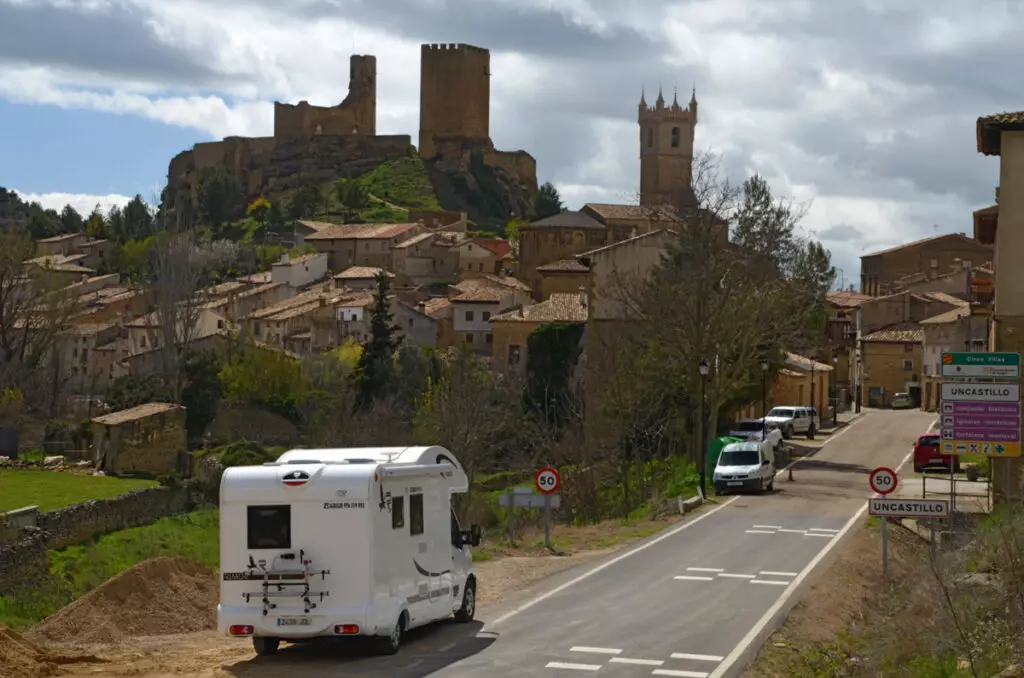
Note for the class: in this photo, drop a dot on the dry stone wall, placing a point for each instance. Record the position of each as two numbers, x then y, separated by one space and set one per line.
24 551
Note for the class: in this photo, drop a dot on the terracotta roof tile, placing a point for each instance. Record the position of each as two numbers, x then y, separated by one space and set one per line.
609 211
482 294
567 220
563 307
564 266
362 273
847 298
492 281
896 334
135 413
498 247
914 243
948 316
59 238
944 298
362 231
437 306
416 239
804 363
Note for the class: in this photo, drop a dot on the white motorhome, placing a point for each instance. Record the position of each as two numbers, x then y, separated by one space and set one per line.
343 542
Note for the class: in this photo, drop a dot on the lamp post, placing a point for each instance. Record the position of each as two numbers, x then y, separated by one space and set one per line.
703 368
835 390
764 400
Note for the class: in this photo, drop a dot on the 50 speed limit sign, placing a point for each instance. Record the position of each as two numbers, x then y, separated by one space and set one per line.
547 480
883 480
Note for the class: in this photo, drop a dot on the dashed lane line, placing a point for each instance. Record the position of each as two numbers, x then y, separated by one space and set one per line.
697 657
792 531
572 667
818 534
768 527
690 578
704 569
638 662
769 573
680 674
823 529
594 650
760 532
736 576
769 581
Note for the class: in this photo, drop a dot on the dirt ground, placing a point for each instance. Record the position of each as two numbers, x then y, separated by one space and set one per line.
157 620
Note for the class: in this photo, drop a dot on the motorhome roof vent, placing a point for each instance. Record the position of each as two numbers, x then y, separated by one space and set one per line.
361 461
303 461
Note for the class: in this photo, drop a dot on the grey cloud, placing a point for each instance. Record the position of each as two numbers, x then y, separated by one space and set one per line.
115 43
840 232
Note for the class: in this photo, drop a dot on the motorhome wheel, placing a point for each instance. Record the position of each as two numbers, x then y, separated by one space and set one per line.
265 646
468 609
389 644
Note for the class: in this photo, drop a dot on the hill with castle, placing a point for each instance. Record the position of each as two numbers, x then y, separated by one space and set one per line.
318 145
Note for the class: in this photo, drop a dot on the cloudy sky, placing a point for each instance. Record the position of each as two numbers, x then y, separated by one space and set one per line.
863 108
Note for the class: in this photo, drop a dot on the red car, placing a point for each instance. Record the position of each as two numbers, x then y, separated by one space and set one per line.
927 455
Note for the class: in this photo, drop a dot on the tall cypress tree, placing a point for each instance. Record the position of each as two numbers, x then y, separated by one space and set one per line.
376 364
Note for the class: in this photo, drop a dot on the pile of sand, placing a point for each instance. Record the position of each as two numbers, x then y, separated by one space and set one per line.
156 597
21 658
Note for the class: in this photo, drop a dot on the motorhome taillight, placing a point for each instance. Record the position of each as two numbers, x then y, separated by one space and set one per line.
346 629
240 630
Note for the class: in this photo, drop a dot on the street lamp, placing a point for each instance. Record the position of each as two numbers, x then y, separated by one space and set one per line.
703 368
764 400
835 390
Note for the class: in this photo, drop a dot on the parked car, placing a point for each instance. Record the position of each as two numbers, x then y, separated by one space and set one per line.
750 429
749 465
793 419
928 456
902 401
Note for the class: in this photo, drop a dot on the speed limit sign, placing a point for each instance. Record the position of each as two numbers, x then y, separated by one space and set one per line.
883 480
547 480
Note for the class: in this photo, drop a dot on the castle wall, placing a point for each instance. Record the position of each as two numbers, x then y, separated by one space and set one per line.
357 114
455 95
519 164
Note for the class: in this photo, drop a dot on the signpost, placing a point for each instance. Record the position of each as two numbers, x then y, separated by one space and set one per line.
546 481
883 481
981 365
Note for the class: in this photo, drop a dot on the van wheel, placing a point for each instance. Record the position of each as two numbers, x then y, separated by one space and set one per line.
468 609
390 643
265 646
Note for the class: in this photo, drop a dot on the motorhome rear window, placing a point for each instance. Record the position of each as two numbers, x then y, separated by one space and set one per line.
415 514
270 527
397 512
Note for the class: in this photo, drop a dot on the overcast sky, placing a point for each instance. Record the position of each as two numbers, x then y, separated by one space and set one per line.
863 108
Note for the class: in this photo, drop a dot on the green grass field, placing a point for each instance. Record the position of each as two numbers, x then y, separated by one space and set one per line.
76 570
53 490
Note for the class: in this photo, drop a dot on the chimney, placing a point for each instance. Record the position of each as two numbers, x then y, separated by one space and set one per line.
284 258
583 297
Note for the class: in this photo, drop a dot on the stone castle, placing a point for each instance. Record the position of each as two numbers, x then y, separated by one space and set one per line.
320 144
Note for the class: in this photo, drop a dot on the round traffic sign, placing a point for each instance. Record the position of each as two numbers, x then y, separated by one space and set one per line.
883 480
547 480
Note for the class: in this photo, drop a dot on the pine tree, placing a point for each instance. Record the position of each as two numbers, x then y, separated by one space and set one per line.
376 363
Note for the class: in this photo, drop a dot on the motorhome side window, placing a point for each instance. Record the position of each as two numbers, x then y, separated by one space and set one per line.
415 514
270 527
397 512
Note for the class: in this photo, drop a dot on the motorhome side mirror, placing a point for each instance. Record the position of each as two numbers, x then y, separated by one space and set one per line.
473 535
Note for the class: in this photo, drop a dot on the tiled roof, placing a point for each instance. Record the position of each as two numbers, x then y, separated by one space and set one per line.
488 280
360 300
299 311
498 247
915 243
609 211
414 240
847 298
224 288
362 273
803 363
260 289
896 334
300 299
437 306
135 413
259 278
450 238
55 259
567 220
481 294
564 307
315 225
300 260
948 316
87 328
944 298
564 266
623 243
59 238
989 130
361 231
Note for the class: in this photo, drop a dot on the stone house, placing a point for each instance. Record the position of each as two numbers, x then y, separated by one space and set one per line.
891 363
986 221
149 438
351 316
957 282
440 219
841 333
66 243
555 238
483 255
107 304
564 276
418 328
903 307
362 244
957 330
272 324
419 261
301 271
58 270
441 310
305 228
360 278
96 253
84 368
145 334
476 301
512 328
881 271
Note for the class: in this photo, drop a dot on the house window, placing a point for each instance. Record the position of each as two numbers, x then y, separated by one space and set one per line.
220 324
415 514
490 338
908 365
469 316
486 316
469 338
675 137
142 342
514 353
397 513
85 355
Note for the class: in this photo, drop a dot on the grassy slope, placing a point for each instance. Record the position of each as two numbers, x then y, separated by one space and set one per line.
52 490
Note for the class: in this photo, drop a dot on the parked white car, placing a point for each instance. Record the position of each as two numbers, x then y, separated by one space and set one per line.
794 419
751 429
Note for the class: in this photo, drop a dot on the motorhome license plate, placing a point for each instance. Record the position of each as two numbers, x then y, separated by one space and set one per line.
294 621
735 483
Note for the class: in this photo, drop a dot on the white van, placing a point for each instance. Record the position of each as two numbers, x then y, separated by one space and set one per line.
749 465
343 542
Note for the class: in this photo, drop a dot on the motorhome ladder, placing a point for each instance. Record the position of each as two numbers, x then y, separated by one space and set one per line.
277 580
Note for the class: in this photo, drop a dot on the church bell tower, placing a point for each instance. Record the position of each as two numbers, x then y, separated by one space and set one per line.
666 151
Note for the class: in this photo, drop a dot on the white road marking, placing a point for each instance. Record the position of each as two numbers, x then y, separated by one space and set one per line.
768 527
591 572
595 650
786 529
759 532
769 573
569 665
816 534
736 576
768 616
704 569
681 674
822 529
640 662
697 657
683 576
769 581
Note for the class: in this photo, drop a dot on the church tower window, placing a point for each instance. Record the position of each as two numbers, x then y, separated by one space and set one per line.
675 137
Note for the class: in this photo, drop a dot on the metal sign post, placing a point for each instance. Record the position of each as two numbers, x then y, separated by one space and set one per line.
547 481
907 508
883 480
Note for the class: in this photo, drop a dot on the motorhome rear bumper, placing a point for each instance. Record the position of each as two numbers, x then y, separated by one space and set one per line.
294 624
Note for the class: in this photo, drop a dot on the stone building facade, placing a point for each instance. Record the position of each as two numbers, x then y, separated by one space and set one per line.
881 272
356 115
666 150
455 99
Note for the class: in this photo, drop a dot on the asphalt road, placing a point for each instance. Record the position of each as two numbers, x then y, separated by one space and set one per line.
695 601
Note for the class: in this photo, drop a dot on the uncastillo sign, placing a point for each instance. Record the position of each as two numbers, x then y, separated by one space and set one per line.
908 508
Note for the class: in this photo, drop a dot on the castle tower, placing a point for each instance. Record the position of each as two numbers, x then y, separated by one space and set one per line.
455 98
666 151
362 87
